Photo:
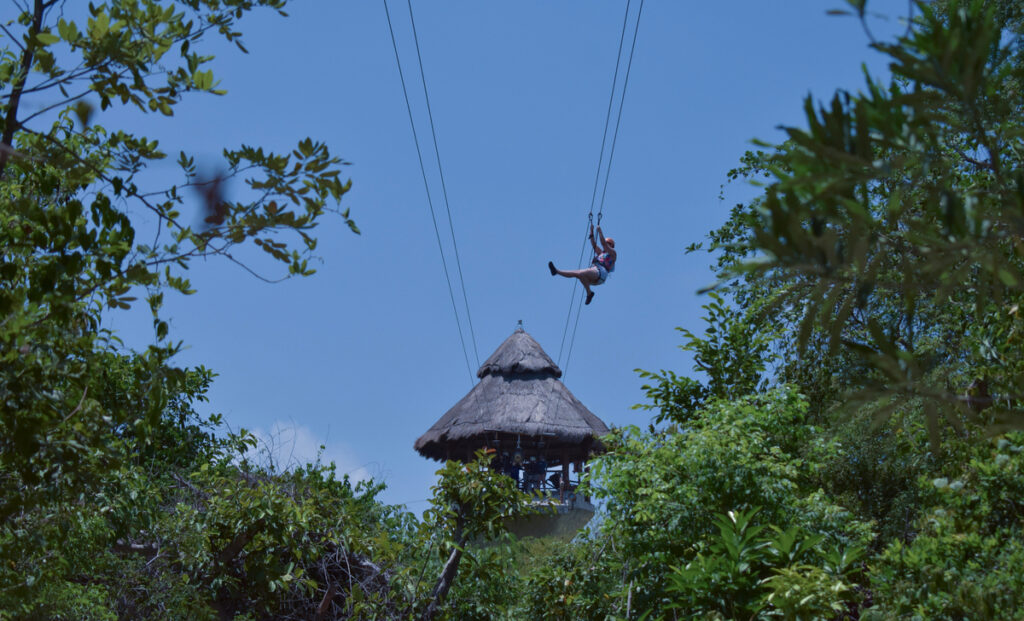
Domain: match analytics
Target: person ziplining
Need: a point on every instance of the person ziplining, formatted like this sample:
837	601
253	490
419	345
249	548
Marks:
602	265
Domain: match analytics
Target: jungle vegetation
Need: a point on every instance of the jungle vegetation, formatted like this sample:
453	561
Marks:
847	445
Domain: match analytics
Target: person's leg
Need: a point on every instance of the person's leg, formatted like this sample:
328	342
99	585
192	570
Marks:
587	277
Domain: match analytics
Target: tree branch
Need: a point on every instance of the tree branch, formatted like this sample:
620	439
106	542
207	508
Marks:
241	539
447	577
11	37
11	120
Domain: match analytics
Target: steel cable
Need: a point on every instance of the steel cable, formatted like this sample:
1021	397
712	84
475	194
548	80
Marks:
430	202
615	135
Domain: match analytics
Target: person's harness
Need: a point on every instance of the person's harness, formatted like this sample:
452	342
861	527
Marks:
605	261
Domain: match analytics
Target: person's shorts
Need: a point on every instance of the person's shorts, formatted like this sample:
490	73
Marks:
602	273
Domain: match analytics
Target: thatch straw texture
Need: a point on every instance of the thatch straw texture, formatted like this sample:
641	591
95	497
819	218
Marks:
518	395
519	355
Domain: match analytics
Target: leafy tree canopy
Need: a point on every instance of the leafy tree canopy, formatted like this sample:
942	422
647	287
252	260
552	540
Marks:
887	240
68	248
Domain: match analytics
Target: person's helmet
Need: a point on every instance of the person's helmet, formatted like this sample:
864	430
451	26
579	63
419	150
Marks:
609	241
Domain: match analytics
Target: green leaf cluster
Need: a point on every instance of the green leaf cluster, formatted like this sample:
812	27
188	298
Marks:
681	506
733	354
964	562
887	238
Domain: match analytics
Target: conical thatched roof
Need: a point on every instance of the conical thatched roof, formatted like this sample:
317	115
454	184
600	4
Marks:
518	399
519	355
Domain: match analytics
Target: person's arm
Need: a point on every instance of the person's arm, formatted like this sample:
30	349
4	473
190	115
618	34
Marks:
592	242
607	249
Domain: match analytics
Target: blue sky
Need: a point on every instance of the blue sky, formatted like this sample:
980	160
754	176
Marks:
365	356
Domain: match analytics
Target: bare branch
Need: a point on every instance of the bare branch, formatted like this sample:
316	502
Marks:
6	148
67	78
149	550
987	164
12	38
78	407
56	105
234	548
250	270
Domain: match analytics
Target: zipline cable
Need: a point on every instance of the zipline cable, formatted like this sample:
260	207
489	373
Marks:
618	119
611	99
597	177
444	188
572	299
608	169
426	185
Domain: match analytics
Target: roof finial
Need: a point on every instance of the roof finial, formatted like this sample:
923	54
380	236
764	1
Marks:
519	326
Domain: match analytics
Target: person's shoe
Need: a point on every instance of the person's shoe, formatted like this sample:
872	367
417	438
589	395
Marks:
551	266
590	296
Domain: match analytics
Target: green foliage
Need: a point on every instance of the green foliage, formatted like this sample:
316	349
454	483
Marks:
744	574
809	592
732	354
472	502
668	495
883	266
196	530
733	456
576	581
488	585
884	252
965	561
883	259
71	601
68	249
889	223
116	497
874	469
725	580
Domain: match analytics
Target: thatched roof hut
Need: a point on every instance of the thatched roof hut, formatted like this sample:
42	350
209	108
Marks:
519	404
